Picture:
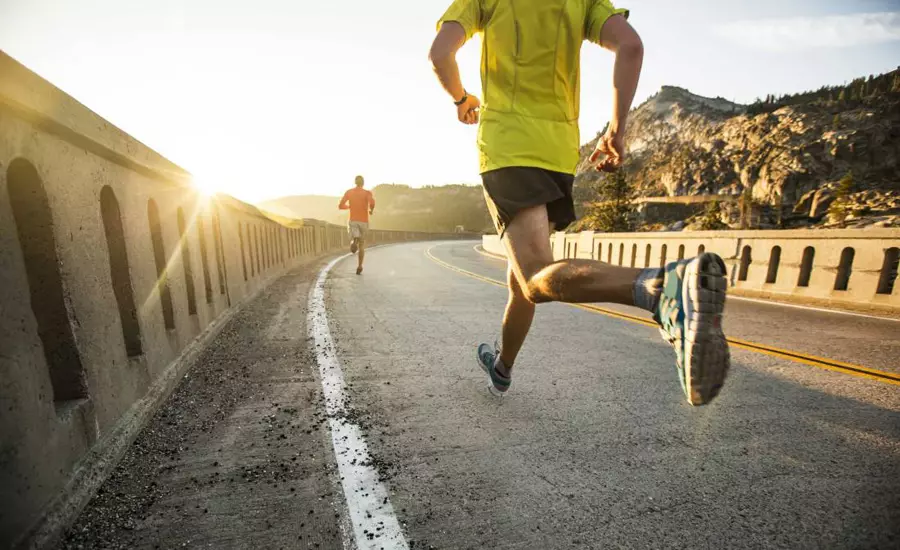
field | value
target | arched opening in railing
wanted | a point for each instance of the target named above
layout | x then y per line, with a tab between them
262	249
621	253
270	235
204	259
249	236
186	264
220	250
774	260
744	268
647	256
681	252
806	265
575	250
264	237
701	249
597	252
662	255
258	247
119	272
889	268
633	254
160	259
845	269
240	232
34	226
609	254
276	252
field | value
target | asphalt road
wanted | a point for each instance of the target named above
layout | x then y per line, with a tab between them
594	447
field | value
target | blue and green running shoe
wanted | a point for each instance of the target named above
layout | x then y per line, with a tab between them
690	318
487	358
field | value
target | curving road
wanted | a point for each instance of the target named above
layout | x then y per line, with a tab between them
595	447
264	443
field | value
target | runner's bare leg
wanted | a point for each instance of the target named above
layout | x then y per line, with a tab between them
516	320
570	280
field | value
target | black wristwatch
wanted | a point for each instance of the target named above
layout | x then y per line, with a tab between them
463	100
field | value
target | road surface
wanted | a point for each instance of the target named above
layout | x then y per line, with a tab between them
594	447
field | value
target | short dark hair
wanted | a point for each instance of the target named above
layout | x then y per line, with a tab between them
359	181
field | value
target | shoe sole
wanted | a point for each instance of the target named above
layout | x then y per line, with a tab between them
706	355
492	389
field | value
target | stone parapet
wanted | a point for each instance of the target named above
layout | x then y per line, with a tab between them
842	268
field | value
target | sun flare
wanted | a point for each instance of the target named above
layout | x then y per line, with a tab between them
206	186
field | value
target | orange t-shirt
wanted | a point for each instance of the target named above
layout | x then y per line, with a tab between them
361	201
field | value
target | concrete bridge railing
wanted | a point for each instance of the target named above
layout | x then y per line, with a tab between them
112	271
853	269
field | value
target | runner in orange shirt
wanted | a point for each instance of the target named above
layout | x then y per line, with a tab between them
361	203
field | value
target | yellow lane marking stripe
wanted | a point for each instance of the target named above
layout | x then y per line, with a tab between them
797	357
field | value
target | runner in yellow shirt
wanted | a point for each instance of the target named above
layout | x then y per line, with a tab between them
528	146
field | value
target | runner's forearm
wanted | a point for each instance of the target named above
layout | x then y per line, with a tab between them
447	72
626	73
449	40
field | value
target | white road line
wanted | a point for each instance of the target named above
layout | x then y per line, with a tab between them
812	308
370	512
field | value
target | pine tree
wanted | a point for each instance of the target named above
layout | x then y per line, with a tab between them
836	122
746	207
614	210
779	211
839	208
842	97
712	217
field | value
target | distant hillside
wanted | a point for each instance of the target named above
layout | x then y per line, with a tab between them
319	207
400	207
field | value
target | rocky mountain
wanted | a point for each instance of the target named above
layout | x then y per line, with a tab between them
788	153
400	207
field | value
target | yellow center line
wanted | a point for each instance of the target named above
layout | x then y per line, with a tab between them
797	357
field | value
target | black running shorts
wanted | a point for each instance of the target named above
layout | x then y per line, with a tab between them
510	190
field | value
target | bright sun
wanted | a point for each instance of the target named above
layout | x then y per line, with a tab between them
206	186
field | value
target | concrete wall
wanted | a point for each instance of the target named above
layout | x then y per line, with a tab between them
866	260
89	345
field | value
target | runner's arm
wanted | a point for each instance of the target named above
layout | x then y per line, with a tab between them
371	203
343	204
449	40
619	36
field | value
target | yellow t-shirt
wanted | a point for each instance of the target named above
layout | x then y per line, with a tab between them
530	66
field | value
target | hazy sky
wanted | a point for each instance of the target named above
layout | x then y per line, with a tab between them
265	98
